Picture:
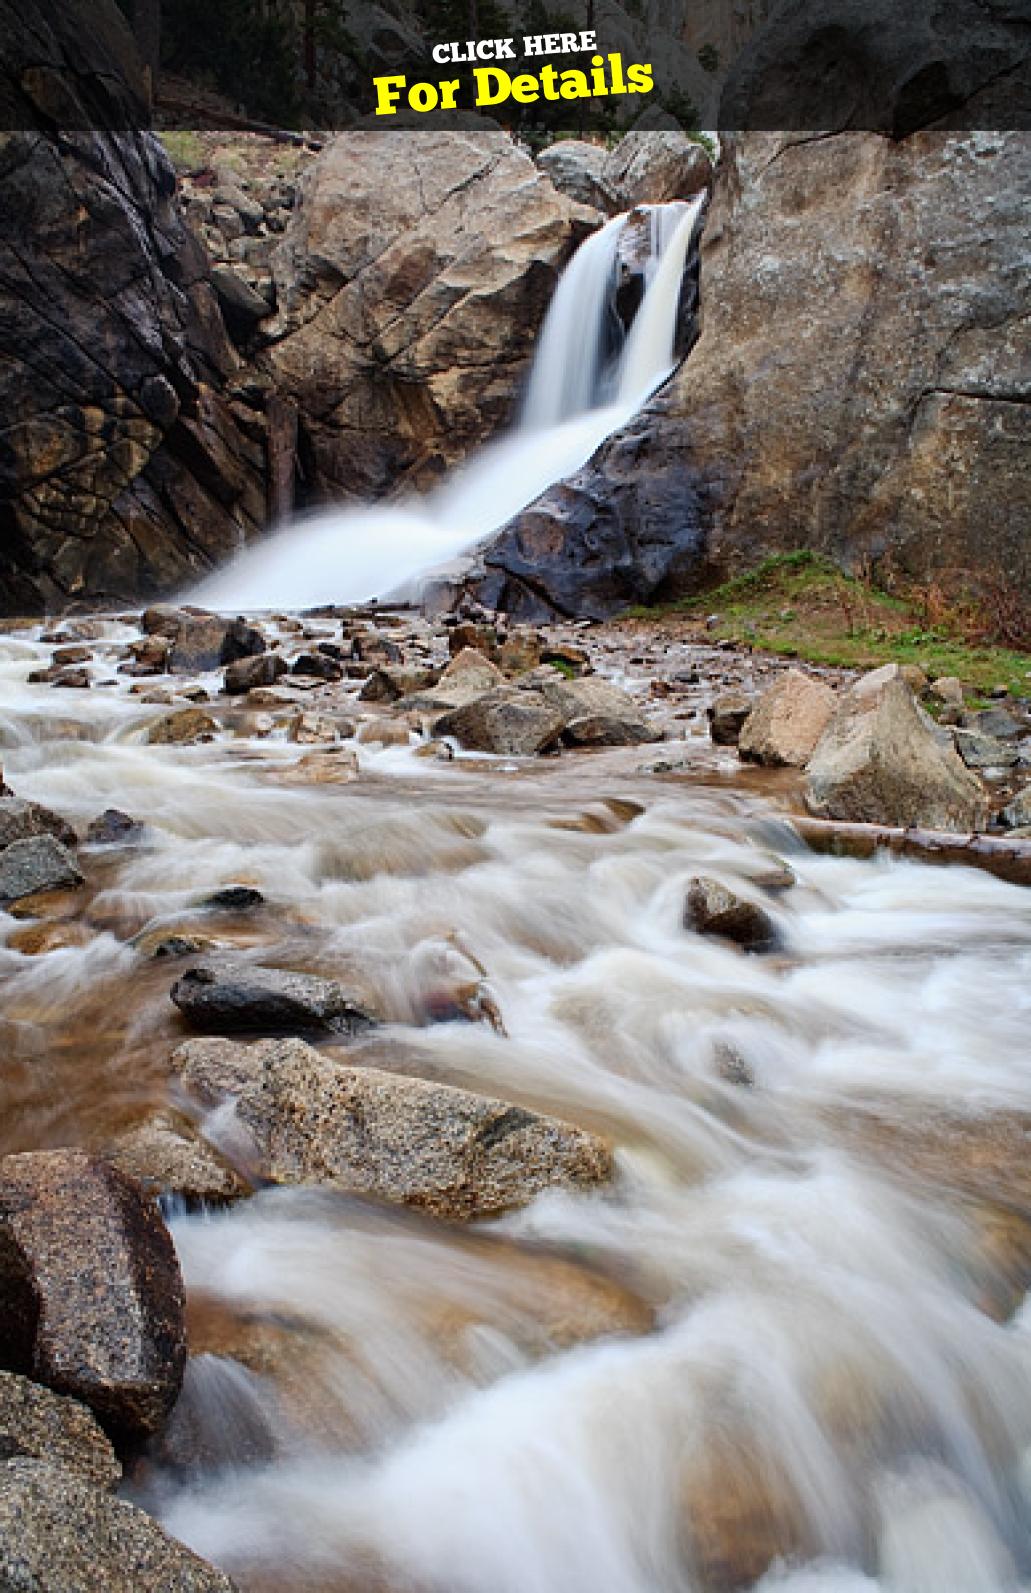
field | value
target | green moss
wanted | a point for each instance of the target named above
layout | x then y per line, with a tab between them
801	605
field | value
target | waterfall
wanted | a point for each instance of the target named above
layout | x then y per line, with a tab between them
583	386
567	367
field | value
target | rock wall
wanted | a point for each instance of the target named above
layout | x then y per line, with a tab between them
861	384
126	466
410	284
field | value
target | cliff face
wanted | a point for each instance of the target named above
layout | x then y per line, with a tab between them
861	385
411	281
125	467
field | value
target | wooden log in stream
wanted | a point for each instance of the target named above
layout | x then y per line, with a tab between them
1007	859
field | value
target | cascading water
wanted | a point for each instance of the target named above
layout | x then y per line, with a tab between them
576	398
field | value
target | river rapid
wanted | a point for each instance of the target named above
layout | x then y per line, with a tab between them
785	1348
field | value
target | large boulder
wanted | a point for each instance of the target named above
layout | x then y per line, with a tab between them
124	467
859	387
20	821
879	762
509	720
310	1119
653	168
786	723
91	1294
60	1535
578	170
412	279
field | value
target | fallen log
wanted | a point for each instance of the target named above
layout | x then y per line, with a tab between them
1007	859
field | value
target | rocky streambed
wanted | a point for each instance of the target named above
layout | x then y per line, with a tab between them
457	1136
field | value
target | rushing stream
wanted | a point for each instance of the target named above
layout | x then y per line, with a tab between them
776	1327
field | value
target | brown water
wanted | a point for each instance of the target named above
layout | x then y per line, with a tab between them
786	1330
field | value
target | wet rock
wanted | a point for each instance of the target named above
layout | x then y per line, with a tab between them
998	722
1017	814
317	666
246	673
727	716
224	997
39	863
740	1515
158	944
207	642
520	652
161	619
469	675
184	728
384	733
92	1296
60	1535
115	828
327	766
879	763
406	1140
510	721
714	909
233	899
63	656
149	656
394	681
786	723
166	1156
36	940
478	637
41	1425
20	821
985	752
605	730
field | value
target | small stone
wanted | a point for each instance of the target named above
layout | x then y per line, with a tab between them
115	828
186	727
510	721
233	899
246	673
327	766
318	667
727	715
311	730
713	909
39	863
985	752
384	732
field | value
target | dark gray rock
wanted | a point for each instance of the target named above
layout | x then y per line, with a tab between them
727	715
115	828
91	1295
207	642
985	752
40	863
240	998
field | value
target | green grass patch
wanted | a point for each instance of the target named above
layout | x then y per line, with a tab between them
184	149
800	605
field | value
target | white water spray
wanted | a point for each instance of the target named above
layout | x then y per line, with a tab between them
575	400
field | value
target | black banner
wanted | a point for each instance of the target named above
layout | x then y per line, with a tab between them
537	67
